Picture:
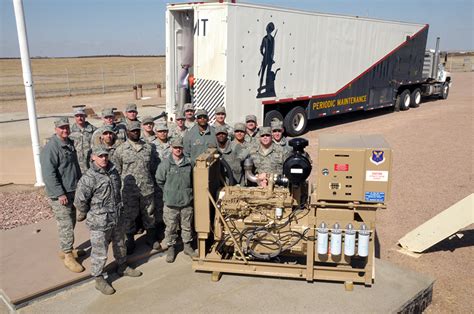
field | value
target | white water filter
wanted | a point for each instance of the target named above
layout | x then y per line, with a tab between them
364	235
349	240
322	239
336	239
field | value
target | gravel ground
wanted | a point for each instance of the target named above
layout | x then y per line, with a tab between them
432	170
21	205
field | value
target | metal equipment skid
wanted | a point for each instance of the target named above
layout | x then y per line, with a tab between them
280	231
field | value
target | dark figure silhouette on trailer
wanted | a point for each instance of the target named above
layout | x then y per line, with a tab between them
267	50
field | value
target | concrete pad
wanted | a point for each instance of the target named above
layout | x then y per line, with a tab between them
30	265
176	288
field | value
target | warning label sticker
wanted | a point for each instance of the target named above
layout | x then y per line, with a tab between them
376	175
374	196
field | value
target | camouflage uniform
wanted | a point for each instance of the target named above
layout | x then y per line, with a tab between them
98	195
82	142
232	153
268	160
284	144
176	132
195	142
176	182
230	130
189	124
137	163
252	139
163	149
61	172
148	138
119	130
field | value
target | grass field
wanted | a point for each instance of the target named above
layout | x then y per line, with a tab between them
77	76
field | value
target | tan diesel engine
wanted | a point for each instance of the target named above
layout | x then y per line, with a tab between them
290	228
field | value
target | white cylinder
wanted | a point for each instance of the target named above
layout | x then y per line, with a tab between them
349	241
29	91
336	237
278	212
322	239
363	247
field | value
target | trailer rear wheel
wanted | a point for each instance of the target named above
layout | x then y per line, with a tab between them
404	100
445	91
271	116
295	121
415	98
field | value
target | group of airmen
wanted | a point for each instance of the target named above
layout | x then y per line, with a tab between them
122	177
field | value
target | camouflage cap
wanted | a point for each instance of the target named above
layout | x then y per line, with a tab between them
79	111
250	117
59	122
131	107
107	128
220	109
107	112
239	127
177	142
134	125
100	150
161	127
188	106
276	125
179	115
266	130
147	119
221	129
201	112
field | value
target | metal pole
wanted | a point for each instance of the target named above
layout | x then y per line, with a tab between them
29	90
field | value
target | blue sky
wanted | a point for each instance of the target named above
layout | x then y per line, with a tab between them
61	28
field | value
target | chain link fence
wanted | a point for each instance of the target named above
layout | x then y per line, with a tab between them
83	79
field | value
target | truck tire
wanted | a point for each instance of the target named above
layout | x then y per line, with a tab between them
415	98
404	100
295	121
272	115
444	91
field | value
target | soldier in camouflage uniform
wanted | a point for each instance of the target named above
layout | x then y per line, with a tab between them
230	152
220	121
277	135
189	115
136	161
163	148
161	142
81	134
174	177
178	129
148	135
98	199
131	114
251	130
120	130
108	138
199	137
267	157
239	135
61	172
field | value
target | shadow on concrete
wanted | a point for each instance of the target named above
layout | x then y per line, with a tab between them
466	240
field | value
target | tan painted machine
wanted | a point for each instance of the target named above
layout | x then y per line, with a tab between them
286	230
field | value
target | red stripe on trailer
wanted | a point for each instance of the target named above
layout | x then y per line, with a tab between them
302	98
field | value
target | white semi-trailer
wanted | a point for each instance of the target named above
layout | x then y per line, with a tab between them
292	65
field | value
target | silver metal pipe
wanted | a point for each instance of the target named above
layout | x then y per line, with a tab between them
29	88
248	167
436	59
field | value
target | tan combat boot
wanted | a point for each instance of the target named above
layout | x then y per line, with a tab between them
71	263
76	253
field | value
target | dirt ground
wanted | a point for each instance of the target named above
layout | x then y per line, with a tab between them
432	170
